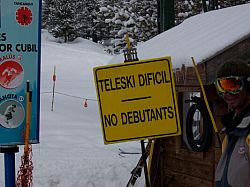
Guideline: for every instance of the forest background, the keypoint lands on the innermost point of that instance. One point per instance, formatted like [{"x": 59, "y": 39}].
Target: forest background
[{"x": 107, "y": 21}]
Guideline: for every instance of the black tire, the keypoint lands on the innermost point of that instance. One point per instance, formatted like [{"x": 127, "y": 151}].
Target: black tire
[{"x": 204, "y": 142}]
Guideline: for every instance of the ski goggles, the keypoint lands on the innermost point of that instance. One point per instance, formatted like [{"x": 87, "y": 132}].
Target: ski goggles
[{"x": 232, "y": 85}]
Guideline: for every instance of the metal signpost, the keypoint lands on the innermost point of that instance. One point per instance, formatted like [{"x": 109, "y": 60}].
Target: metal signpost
[
  {"x": 137, "y": 100},
  {"x": 20, "y": 48}
]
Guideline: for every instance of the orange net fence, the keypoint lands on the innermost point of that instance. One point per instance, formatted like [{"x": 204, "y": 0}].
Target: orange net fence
[{"x": 25, "y": 173}]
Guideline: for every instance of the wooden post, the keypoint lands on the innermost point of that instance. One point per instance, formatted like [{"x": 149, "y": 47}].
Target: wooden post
[
  {"x": 27, "y": 134},
  {"x": 28, "y": 109},
  {"x": 53, "y": 92}
]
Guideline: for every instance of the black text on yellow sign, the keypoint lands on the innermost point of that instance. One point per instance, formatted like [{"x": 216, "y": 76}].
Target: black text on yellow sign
[{"x": 137, "y": 100}]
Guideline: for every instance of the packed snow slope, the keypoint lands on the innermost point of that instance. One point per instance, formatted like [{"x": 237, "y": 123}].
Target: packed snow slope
[{"x": 71, "y": 152}]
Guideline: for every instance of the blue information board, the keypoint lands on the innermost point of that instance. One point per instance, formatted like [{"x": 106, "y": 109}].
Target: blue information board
[{"x": 20, "y": 51}]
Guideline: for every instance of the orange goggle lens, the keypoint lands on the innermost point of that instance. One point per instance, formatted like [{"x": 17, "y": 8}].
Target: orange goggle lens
[{"x": 232, "y": 85}]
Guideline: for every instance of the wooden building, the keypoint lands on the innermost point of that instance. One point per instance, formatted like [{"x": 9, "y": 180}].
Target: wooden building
[
  {"x": 174, "y": 163},
  {"x": 211, "y": 38}
]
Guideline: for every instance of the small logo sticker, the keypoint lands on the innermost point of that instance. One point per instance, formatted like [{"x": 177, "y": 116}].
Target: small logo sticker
[
  {"x": 24, "y": 16},
  {"x": 11, "y": 74},
  {"x": 11, "y": 114}
]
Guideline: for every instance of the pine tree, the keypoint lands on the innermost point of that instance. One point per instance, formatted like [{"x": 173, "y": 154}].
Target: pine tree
[
  {"x": 146, "y": 23},
  {"x": 64, "y": 21},
  {"x": 86, "y": 16},
  {"x": 100, "y": 30},
  {"x": 110, "y": 20},
  {"x": 47, "y": 6},
  {"x": 129, "y": 17},
  {"x": 187, "y": 8}
]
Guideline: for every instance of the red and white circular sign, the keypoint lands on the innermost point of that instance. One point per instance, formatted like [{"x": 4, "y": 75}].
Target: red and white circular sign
[
  {"x": 11, "y": 74},
  {"x": 24, "y": 16}
]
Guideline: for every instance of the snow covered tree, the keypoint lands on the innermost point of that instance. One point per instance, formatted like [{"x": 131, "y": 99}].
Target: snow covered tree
[
  {"x": 47, "y": 5},
  {"x": 187, "y": 8},
  {"x": 124, "y": 22},
  {"x": 106, "y": 24},
  {"x": 62, "y": 12},
  {"x": 228, "y": 3},
  {"x": 85, "y": 16},
  {"x": 137, "y": 18},
  {"x": 104, "y": 27},
  {"x": 107, "y": 21},
  {"x": 101, "y": 20},
  {"x": 146, "y": 19}
]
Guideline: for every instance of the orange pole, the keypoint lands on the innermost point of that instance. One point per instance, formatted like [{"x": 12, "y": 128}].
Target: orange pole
[{"x": 27, "y": 129}]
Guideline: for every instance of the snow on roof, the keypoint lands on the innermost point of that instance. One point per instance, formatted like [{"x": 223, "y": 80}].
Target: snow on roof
[{"x": 201, "y": 36}]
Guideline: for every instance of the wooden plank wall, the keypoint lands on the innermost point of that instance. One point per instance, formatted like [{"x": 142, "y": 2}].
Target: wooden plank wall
[
  {"x": 173, "y": 164},
  {"x": 177, "y": 165}
]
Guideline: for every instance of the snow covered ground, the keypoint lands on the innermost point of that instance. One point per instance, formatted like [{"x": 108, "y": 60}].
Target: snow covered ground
[{"x": 71, "y": 152}]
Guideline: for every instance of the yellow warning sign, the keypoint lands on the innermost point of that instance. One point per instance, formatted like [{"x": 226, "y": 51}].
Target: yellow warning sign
[{"x": 137, "y": 100}]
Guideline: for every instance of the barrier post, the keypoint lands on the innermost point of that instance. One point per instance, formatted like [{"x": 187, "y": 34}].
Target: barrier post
[{"x": 53, "y": 91}]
